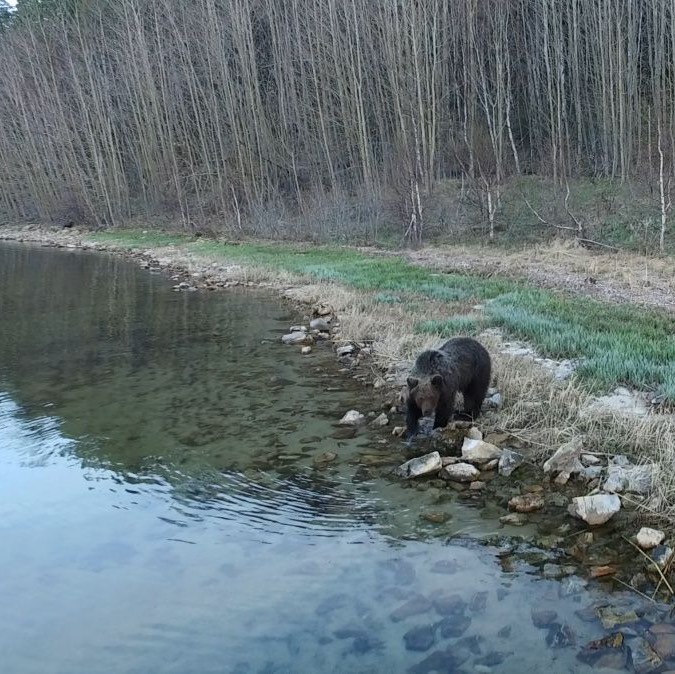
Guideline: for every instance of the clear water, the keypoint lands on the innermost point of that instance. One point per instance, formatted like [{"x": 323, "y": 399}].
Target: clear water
[{"x": 161, "y": 509}]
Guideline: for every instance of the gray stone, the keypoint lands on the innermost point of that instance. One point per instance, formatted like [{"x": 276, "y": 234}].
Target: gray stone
[
  {"x": 320, "y": 324},
  {"x": 474, "y": 434},
  {"x": 422, "y": 465},
  {"x": 298, "y": 328},
  {"x": 352, "y": 418},
  {"x": 661, "y": 555},
  {"x": 460, "y": 472},
  {"x": 566, "y": 458},
  {"x": 636, "y": 479},
  {"x": 509, "y": 461},
  {"x": 344, "y": 350},
  {"x": 495, "y": 400},
  {"x": 478, "y": 451},
  {"x": 596, "y": 509},
  {"x": 381, "y": 420},
  {"x": 306, "y": 350}
]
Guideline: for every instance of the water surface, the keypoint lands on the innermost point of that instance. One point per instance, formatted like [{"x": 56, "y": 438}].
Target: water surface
[{"x": 167, "y": 506}]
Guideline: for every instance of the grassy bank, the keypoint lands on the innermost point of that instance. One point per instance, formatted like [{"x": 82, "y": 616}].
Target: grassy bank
[
  {"x": 617, "y": 344},
  {"x": 404, "y": 307}
]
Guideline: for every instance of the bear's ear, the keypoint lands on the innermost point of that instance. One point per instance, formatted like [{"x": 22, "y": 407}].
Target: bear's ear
[
  {"x": 412, "y": 382},
  {"x": 437, "y": 380}
]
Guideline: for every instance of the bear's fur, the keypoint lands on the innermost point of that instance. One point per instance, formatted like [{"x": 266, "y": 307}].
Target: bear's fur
[{"x": 461, "y": 365}]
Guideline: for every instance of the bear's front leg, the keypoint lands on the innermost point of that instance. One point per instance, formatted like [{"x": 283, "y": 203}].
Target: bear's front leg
[
  {"x": 412, "y": 418},
  {"x": 443, "y": 412}
]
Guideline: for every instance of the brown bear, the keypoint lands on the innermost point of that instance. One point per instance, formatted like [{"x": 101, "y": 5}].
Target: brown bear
[{"x": 461, "y": 364}]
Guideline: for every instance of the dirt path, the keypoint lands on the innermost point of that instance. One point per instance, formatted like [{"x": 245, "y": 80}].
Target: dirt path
[{"x": 618, "y": 277}]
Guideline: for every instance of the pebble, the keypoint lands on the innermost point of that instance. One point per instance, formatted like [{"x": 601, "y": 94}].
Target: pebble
[
  {"x": 526, "y": 503},
  {"x": 306, "y": 350},
  {"x": 460, "y": 472},
  {"x": 514, "y": 519},
  {"x": 415, "y": 606},
  {"x": 452, "y": 604},
  {"x": 648, "y": 538},
  {"x": 543, "y": 617}
]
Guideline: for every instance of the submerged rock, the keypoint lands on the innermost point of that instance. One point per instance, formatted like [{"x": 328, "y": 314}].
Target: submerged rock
[
  {"x": 478, "y": 451},
  {"x": 526, "y": 503},
  {"x": 352, "y": 418},
  {"x": 435, "y": 516},
  {"x": 460, "y": 472},
  {"x": 422, "y": 465},
  {"x": 454, "y": 626},
  {"x": 420, "y": 638},
  {"x": 596, "y": 509},
  {"x": 449, "y": 605},
  {"x": 644, "y": 658},
  {"x": 509, "y": 461},
  {"x": 611, "y": 616},
  {"x": 300, "y": 338},
  {"x": 415, "y": 606},
  {"x": 648, "y": 538},
  {"x": 542, "y": 618},
  {"x": 514, "y": 519},
  {"x": 381, "y": 420}
]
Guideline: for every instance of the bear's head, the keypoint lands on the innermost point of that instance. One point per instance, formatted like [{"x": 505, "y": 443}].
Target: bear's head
[{"x": 426, "y": 393}]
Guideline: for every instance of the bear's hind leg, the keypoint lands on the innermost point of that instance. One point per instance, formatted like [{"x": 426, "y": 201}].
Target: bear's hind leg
[{"x": 473, "y": 399}]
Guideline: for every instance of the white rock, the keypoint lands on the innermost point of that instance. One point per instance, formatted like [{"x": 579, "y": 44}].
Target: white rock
[
  {"x": 422, "y": 465},
  {"x": 297, "y": 338},
  {"x": 495, "y": 401},
  {"x": 596, "y": 509},
  {"x": 474, "y": 434},
  {"x": 460, "y": 472},
  {"x": 509, "y": 461},
  {"x": 345, "y": 350},
  {"x": 566, "y": 458},
  {"x": 590, "y": 460},
  {"x": 298, "y": 328},
  {"x": 478, "y": 451},
  {"x": 382, "y": 420},
  {"x": 352, "y": 418},
  {"x": 491, "y": 465},
  {"x": 649, "y": 538},
  {"x": 306, "y": 350}
]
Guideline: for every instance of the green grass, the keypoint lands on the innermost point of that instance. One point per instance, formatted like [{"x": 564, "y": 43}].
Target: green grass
[
  {"x": 455, "y": 325},
  {"x": 619, "y": 344}
]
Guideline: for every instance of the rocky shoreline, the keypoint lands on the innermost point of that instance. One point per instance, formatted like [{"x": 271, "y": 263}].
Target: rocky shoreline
[{"x": 572, "y": 487}]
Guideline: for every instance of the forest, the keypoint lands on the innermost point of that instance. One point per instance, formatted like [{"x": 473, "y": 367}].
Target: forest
[{"x": 249, "y": 116}]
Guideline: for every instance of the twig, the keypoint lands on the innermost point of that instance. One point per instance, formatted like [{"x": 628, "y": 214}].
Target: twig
[
  {"x": 545, "y": 222},
  {"x": 648, "y": 558},
  {"x": 597, "y": 243},
  {"x": 580, "y": 227},
  {"x": 630, "y": 587}
]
